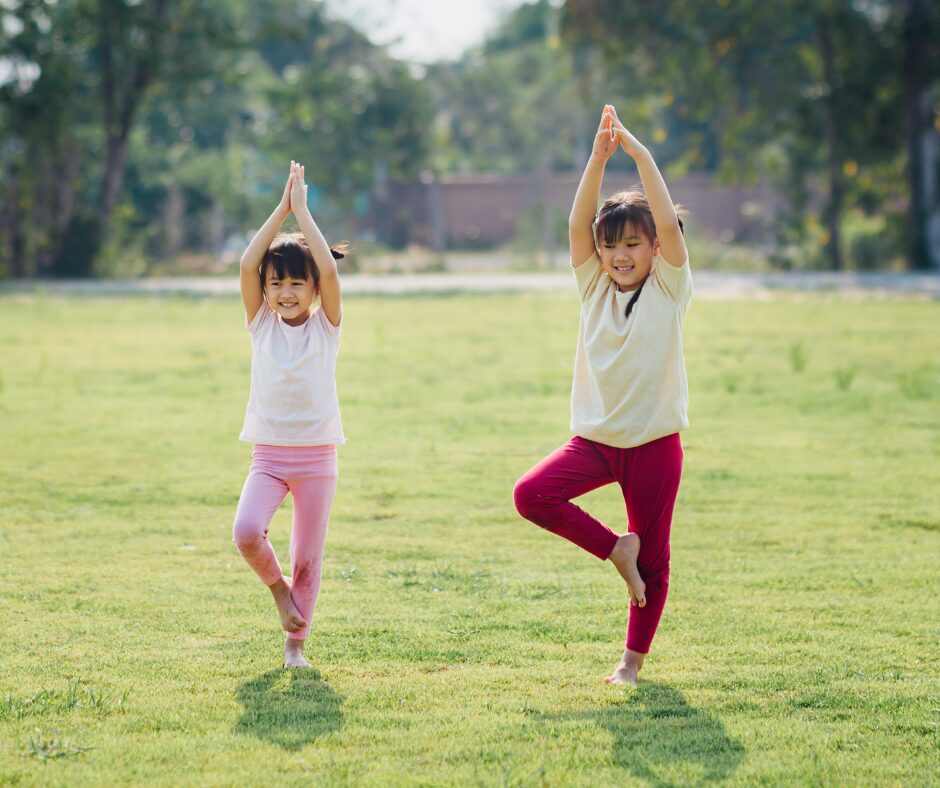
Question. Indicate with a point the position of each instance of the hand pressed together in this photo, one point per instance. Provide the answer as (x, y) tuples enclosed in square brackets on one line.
[(611, 133)]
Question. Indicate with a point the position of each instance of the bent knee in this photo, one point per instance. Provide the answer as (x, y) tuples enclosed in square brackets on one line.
[(248, 535), (525, 496)]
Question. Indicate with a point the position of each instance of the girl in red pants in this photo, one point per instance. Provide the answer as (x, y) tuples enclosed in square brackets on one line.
[(629, 398)]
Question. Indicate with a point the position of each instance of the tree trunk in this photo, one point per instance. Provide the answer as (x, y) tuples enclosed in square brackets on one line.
[(120, 106), (14, 240), (918, 134), (174, 209), (833, 209), (65, 202)]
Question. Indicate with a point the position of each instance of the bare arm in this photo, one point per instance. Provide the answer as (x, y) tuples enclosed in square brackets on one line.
[(330, 295), (672, 244), (584, 209), (252, 293)]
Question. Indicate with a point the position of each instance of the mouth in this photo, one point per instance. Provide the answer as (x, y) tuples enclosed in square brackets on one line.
[(287, 304), (624, 269)]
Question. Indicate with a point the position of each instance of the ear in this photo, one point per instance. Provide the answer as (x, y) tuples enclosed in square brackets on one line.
[(656, 246)]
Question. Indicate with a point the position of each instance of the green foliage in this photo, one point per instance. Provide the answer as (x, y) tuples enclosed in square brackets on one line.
[(799, 356), (808, 94), (233, 92), (870, 243), (44, 746), (217, 95), (524, 102), (844, 378)]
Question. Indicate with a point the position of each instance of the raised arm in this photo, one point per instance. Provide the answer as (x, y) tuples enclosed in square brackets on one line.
[(330, 296), (252, 292), (671, 242), (584, 209)]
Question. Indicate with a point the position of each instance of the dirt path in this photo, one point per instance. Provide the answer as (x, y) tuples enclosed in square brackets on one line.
[(709, 285)]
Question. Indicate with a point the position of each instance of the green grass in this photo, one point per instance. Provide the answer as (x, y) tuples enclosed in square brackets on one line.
[(455, 643)]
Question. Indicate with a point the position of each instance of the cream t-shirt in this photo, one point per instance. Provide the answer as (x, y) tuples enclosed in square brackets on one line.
[(629, 383), (293, 398)]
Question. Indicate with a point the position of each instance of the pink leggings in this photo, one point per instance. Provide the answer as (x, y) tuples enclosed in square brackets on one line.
[(309, 473), (649, 477)]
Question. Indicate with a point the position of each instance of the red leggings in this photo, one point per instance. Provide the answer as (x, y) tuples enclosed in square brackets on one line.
[(649, 477)]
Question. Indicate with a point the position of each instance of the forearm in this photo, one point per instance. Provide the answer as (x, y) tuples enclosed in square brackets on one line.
[(584, 208), (661, 205), (319, 248), (262, 240)]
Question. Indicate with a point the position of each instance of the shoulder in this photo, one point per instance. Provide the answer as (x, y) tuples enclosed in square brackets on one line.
[(587, 275), (261, 317), (322, 323), (674, 280)]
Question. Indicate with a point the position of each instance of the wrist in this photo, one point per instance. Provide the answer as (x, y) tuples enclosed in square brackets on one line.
[(598, 159), (642, 154)]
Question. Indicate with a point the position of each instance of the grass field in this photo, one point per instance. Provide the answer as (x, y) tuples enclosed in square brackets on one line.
[(456, 644)]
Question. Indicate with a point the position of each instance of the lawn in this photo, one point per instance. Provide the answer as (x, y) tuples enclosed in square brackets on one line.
[(455, 643)]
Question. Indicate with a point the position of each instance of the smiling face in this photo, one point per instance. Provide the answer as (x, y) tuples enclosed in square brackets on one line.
[(290, 297), (629, 259), (289, 278), (626, 240)]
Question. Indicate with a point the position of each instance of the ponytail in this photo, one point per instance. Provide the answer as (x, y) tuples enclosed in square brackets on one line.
[(633, 299)]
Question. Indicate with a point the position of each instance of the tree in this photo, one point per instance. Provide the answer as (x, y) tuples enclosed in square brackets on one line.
[(816, 82)]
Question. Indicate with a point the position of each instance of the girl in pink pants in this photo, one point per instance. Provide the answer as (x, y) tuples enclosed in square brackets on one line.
[(309, 474), (292, 416), (629, 397)]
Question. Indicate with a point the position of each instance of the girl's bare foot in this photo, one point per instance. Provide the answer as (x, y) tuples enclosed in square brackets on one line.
[(624, 557), (626, 671), (294, 654), (291, 620)]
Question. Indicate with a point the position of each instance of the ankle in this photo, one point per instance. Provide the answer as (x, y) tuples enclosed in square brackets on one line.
[(632, 659)]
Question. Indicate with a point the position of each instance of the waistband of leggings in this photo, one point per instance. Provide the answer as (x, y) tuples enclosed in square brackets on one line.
[(264, 451)]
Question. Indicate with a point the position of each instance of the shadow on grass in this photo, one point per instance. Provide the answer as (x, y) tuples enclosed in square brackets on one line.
[(289, 708), (661, 739)]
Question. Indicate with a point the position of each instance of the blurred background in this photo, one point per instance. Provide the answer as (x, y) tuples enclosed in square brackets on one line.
[(149, 137)]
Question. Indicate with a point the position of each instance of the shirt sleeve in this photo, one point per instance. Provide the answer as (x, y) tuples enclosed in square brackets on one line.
[(260, 316), (676, 281), (327, 327), (587, 274)]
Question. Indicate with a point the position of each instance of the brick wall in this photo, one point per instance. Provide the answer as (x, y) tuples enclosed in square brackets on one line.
[(484, 210)]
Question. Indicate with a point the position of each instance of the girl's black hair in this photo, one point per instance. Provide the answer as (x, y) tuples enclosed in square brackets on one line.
[(633, 299), (628, 210), (291, 258)]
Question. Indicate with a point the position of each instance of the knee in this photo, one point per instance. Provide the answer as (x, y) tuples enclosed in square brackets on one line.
[(525, 496), (247, 535)]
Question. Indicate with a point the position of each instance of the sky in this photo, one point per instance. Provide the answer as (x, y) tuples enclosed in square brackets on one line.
[(423, 31)]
